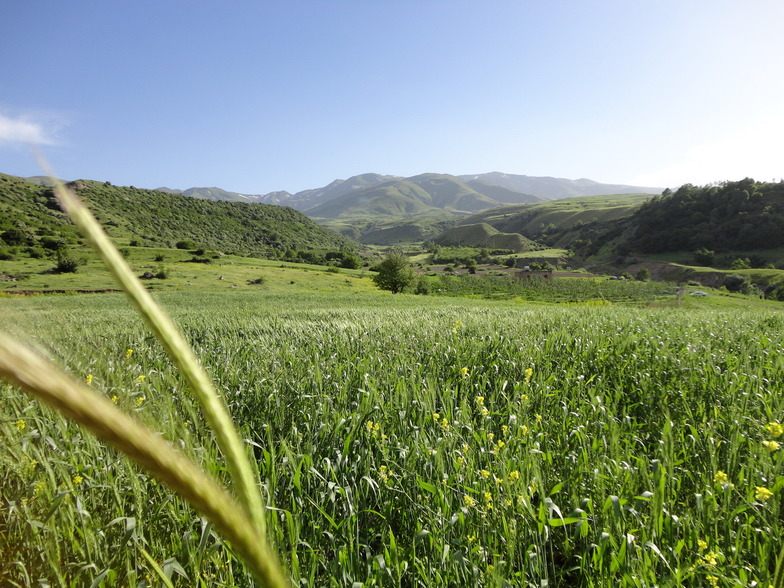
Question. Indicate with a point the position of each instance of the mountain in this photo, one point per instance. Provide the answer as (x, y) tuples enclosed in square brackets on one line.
[(556, 188), (483, 235), (154, 218), (425, 194), (372, 195)]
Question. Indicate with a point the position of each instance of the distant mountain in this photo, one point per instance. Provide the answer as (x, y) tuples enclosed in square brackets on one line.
[(483, 235), (557, 188), (376, 195)]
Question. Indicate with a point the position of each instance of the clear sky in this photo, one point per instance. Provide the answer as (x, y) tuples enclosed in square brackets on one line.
[(256, 96)]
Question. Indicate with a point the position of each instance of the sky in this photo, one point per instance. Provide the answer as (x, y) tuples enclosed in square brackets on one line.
[(264, 95)]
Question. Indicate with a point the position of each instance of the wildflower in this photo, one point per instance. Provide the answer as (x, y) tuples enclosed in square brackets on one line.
[(712, 580), (456, 326), (140, 379), (445, 424), (465, 448), (508, 502), (488, 497), (484, 412), (721, 478), (524, 430), (469, 502), (490, 437), (775, 429), (139, 401), (523, 397), (480, 400), (762, 494), (78, 479), (528, 373), (115, 399), (384, 473), (464, 372), (771, 445), (38, 488), (460, 460), (538, 418), (710, 558), (436, 416), (485, 474), (89, 379), (490, 568), (32, 464), (702, 545), (20, 425), (128, 353), (514, 476), (471, 538), (505, 430)]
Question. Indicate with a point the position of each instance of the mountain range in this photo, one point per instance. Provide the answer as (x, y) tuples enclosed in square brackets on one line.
[(374, 195)]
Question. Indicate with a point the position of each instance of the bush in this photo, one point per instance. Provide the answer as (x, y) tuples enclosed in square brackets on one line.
[(159, 258), (704, 256), (643, 275), (740, 263), (185, 244), (66, 265), (258, 282), (736, 283)]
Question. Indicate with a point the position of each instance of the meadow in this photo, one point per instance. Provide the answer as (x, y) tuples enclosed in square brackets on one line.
[(412, 441)]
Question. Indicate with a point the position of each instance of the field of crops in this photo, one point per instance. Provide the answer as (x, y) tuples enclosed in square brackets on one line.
[(413, 441)]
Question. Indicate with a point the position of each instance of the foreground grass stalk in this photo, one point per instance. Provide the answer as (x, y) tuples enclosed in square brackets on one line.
[(214, 408), (24, 368)]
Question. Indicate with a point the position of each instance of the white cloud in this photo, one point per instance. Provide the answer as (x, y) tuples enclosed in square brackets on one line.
[(24, 130)]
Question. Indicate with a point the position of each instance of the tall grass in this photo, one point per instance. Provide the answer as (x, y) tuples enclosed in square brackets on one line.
[(417, 441)]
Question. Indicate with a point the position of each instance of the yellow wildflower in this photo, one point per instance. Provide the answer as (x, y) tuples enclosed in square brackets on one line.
[(514, 476), (465, 447), (436, 416), (702, 545), (721, 478), (538, 418), (712, 580), (480, 400), (78, 479), (464, 372), (488, 497), (505, 430), (771, 445), (490, 437), (115, 398), (484, 412), (128, 353), (524, 430), (445, 424), (469, 502), (775, 429), (460, 460), (471, 538), (139, 401), (523, 397), (20, 425), (490, 568), (38, 488), (710, 558), (140, 379), (528, 373), (485, 473), (762, 494), (456, 326), (89, 379)]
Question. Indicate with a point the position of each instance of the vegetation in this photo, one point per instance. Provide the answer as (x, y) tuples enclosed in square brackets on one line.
[(394, 273), (745, 215), (30, 217), (573, 445)]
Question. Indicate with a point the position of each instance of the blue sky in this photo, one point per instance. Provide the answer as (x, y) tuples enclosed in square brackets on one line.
[(287, 95)]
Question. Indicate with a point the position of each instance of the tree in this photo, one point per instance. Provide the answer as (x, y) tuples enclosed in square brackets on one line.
[(643, 275), (394, 273)]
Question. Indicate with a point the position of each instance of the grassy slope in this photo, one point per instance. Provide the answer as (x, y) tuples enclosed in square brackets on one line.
[(161, 219)]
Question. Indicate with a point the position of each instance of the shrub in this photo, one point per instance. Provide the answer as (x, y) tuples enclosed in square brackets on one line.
[(643, 275), (159, 258), (66, 265), (258, 282), (394, 273), (185, 244)]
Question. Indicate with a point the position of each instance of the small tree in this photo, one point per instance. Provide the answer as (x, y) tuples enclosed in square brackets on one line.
[(394, 273), (643, 275)]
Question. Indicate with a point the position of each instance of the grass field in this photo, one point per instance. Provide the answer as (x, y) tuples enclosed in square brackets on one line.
[(413, 441)]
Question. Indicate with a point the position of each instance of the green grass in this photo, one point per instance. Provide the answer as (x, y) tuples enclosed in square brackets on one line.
[(603, 467)]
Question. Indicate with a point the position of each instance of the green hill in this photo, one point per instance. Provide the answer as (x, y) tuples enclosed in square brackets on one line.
[(483, 235), (30, 217)]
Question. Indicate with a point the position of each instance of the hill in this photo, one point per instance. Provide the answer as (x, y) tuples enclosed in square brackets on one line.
[(150, 217), (550, 218), (744, 215), (483, 235)]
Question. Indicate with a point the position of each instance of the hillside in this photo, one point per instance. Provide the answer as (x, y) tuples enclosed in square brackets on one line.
[(536, 220), (483, 235), (745, 215), (150, 218)]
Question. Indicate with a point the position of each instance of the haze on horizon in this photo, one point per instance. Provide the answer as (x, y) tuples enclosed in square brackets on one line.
[(277, 95)]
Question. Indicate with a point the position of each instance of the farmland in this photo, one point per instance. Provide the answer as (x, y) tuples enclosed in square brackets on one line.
[(413, 441)]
